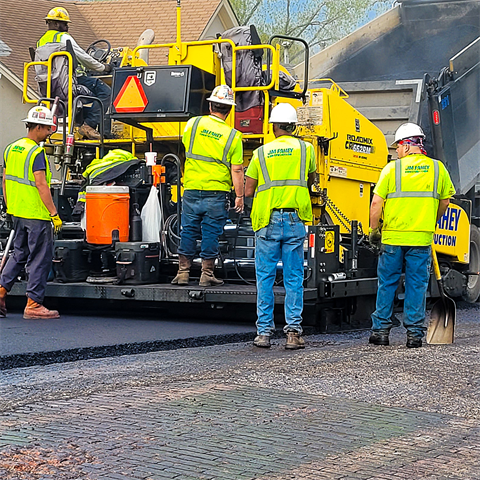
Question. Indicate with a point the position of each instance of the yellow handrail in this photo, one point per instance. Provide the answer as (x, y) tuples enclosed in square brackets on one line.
[(48, 63), (334, 86)]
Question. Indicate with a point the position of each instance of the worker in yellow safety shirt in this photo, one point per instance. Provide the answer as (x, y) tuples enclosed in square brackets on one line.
[(58, 20), (214, 161), (279, 176), (26, 187), (414, 192)]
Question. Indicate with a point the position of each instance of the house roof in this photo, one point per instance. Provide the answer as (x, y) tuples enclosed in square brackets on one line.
[(22, 30), (121, 22)]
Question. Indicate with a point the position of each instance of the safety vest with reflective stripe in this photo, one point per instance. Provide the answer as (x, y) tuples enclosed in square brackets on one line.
[(50, 36), (23, 199), (412, 187), (283, 190), (205, 157), (403, 185), (209, 144)]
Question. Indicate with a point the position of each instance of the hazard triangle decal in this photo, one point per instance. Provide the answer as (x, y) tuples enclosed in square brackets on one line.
[(131, 97)]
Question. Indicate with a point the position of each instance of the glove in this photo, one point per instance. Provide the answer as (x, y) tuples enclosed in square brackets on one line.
[(57, 223), (375, 237), (108, 68)]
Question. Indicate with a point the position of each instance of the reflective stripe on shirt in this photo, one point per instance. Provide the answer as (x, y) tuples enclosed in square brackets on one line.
[(25, 180), (205, 158), (282, 183), (399, 193)]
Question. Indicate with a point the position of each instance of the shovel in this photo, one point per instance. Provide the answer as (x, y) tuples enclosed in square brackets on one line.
[(442, 317), (6, 252)]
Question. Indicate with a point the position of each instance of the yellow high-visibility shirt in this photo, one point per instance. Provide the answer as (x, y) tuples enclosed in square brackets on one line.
[(412, 188), (23, 199), (281, 169), (211, 148)]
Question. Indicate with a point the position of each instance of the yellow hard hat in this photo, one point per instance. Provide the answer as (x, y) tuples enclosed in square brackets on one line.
[(58, 14)]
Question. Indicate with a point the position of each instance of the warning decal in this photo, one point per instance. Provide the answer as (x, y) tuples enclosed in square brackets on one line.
[(131, 97), (329, 241)]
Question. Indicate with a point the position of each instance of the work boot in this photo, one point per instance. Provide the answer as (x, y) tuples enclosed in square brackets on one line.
[(3, 300), (262, 341), (414, 342), (36, 311), (87, 131), (379, 338), (207, 279), (183, 273), (294, 341)]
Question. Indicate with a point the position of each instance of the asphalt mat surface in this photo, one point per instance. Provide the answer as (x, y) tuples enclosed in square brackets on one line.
[(19, 336)]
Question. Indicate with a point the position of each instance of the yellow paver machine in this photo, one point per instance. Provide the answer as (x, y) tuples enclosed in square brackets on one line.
[(150, 104)]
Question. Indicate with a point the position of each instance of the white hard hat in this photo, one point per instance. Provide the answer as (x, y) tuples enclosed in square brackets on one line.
[(222, 94), (283, 113), (407, 130), (40, 115)]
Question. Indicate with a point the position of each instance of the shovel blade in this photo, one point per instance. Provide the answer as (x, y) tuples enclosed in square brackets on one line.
[(441, 327)]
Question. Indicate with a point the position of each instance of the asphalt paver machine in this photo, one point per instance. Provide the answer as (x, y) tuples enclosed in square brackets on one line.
[(149, 107)]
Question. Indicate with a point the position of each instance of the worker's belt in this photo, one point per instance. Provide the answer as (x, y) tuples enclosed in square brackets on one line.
[(284, 210)]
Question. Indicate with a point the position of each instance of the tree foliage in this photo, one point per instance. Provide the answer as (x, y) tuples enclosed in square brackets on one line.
[(319, 22)]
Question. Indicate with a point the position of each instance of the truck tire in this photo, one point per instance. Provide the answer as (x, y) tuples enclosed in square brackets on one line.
[(473, 285)]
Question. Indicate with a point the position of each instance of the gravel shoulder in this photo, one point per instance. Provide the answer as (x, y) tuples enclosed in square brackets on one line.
[(438, 379)]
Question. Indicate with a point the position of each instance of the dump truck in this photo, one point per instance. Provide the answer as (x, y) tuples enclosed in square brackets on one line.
[(419, 62), (149, 108)]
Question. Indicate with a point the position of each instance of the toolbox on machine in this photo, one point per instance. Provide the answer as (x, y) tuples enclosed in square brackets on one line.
[(137, 262), (70, 261)]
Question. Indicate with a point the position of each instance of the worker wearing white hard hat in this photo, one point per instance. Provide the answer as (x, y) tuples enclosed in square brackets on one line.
[(413, 193), (213, 164), (58, 21), (279, 176), (26, 187)]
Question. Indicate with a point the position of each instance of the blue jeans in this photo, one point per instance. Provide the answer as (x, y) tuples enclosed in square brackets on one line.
[(99, 89), (204, 214), (282, 239), (417, 275)]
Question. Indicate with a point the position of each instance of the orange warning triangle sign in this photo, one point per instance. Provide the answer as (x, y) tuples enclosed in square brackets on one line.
[(131, 97)]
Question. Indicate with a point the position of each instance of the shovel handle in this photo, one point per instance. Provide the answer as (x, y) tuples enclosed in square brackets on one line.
[(436, 268)]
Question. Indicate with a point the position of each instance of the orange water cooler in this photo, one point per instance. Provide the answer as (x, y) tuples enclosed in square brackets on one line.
[(107, 209)]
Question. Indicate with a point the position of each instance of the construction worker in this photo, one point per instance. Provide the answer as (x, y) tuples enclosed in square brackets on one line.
[(414, 192), (26, 192), (57, 21), (279, 176), (214, 161)]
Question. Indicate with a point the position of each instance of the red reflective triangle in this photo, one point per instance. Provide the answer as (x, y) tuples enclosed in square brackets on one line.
[(131, 97)]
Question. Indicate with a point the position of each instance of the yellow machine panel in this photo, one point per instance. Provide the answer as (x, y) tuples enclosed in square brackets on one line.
[(452, 236)]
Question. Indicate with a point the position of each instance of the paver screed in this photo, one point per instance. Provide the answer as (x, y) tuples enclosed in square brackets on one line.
[(209, 430)]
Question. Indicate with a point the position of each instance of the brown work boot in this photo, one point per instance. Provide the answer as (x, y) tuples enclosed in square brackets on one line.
[(294, 341), (3, 300), (207, 279), (262, 341), (87, 131), (36, 311), (183, 273)]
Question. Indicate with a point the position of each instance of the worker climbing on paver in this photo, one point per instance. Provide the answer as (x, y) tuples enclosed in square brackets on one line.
[(214, 160)]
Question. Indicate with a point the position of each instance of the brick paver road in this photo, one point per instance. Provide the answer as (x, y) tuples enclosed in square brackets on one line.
[(340, 409)]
